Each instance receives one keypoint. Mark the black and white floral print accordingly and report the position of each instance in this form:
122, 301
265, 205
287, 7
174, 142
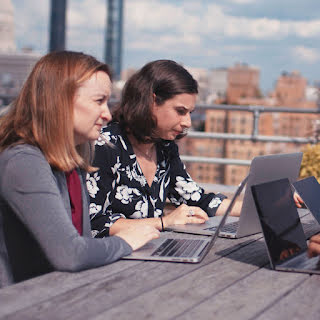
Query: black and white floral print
187, 189
92, 185
120, 190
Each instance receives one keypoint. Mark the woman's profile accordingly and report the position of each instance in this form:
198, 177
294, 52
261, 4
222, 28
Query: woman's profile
142, 168
45, 154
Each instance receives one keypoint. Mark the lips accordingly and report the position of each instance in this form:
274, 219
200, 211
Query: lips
98, 127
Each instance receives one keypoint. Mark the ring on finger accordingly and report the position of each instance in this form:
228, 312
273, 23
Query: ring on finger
190, 213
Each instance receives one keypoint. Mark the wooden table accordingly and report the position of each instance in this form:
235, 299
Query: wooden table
234, 281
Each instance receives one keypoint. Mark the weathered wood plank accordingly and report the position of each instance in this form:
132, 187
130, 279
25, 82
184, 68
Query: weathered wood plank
248, 297
33, 291
186, 292
108, 291
183, 288
301, 303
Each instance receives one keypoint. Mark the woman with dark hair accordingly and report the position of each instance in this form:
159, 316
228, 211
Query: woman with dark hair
44, 156
141, 167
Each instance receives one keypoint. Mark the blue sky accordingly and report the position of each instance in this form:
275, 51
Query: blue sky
274, 35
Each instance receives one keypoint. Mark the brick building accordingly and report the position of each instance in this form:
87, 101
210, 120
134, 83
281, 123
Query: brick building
243, 82
289, 92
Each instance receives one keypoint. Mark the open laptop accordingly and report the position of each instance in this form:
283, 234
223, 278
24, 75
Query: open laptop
284, 237
175, 247
309, 190
262, 169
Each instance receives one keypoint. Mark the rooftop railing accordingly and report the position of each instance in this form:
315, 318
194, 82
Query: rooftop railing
256, 112
254, 137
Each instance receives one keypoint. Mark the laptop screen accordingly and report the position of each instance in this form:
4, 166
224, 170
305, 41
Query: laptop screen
279, 219
309, 191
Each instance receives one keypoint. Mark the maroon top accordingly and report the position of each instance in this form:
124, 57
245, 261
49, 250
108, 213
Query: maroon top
74, 188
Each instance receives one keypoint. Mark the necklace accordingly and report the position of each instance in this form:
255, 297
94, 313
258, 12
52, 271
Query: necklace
148, 155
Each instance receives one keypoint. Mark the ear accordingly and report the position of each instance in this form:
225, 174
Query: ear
154, 100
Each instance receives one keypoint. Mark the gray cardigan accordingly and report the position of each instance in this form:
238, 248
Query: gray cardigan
36, 231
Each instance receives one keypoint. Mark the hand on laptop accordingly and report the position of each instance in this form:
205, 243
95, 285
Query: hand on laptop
185, 214
314, 246
138, 235
297, 200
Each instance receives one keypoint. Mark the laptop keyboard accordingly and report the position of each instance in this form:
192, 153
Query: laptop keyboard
229, 227
178, 248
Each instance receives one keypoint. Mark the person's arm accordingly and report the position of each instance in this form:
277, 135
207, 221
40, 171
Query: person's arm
108, 209
29, 187
182, 215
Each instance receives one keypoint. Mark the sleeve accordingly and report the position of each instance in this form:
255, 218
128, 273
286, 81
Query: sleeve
183, 189
30, 189
101, 186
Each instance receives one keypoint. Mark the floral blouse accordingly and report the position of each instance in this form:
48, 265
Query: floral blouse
120, 190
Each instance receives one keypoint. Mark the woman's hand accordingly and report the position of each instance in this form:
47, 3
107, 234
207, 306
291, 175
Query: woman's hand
138, 235
314, 246
185, 214
297, 200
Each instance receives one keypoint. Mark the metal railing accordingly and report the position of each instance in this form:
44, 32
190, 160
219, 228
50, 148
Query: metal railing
254, 137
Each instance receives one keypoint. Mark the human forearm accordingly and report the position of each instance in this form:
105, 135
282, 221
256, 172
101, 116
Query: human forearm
224, 205
31, 191
182, 215
123, 224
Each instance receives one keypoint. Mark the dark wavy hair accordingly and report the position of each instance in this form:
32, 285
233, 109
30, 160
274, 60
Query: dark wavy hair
157, 81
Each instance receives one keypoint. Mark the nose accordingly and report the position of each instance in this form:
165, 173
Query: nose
106, 114
186, 121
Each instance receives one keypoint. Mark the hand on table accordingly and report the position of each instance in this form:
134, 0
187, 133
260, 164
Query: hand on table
185, 214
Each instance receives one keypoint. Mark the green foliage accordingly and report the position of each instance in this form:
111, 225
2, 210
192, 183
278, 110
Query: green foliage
310, 165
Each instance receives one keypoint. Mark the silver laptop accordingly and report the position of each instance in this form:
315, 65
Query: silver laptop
262, 169
283, 233
175, 247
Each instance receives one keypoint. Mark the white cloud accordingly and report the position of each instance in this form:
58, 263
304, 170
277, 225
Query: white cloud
307, 29
242, 1
31, 24
154, 15
168, 43
198, 19
87, 14
306, 54
257, 28
239, 48
86, 20
156, 25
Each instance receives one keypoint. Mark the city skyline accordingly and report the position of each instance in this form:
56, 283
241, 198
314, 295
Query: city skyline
274, 36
